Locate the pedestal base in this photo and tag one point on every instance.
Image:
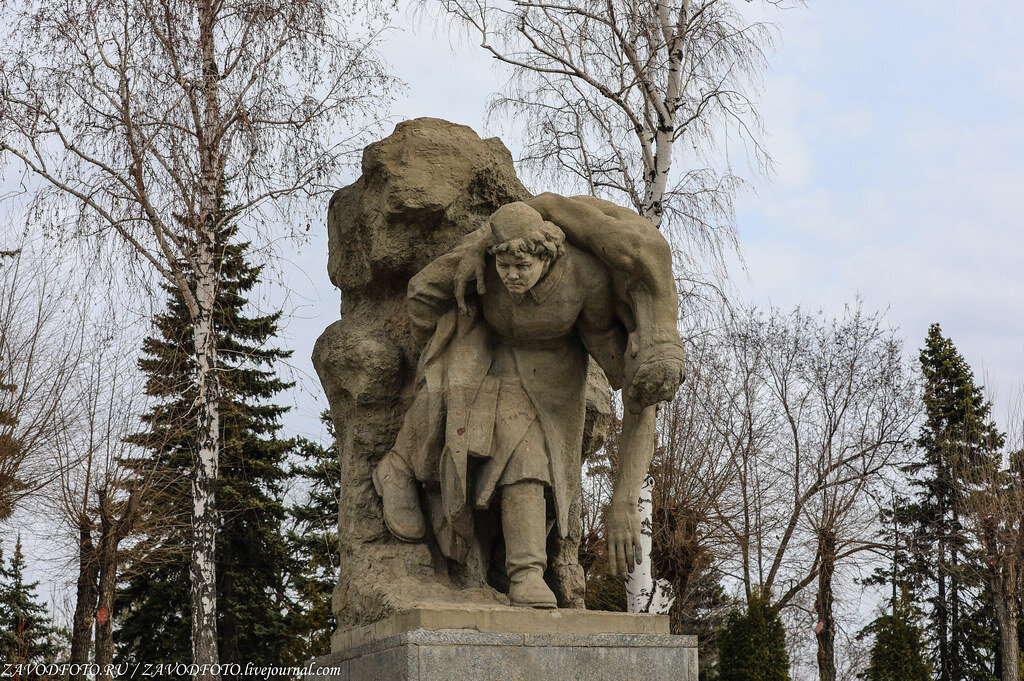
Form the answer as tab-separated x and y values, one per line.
570	649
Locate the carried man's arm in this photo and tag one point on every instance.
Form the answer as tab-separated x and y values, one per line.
442	283
633	248
630	246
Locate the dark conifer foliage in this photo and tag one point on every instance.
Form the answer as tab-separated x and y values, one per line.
899	649
752	645
313	547
934	559
252	556
27	635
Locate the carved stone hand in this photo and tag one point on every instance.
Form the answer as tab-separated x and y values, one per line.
623	526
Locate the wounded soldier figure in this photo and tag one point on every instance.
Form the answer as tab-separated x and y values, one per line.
498	415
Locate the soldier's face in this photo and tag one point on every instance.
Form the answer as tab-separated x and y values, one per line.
519	274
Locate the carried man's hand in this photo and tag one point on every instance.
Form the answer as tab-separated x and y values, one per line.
470	268
656	380
622	522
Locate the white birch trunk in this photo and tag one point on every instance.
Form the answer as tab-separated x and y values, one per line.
644	594
662	138
204	483
204	480
657	177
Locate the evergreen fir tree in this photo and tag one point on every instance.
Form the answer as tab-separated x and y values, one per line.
27	635
899	649
251	555
934	558
752	645
313	546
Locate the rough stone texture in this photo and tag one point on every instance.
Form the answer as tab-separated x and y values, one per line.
459	655
502	619
422	189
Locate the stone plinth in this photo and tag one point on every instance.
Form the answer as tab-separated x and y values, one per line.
511	644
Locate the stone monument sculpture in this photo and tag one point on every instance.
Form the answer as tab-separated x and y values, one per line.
469	377
499	412
481	328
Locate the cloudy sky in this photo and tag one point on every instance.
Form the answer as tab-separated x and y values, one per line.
898	133
898	136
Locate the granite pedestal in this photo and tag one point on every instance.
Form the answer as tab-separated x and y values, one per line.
511	644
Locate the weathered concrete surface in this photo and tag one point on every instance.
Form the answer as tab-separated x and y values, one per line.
421	190
502	619
562	644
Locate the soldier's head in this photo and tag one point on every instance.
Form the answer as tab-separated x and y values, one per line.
524	245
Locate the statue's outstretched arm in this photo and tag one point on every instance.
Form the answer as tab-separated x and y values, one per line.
622	519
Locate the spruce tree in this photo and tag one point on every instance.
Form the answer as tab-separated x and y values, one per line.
898	652
313	546
752	645
252	557
27	635
958	444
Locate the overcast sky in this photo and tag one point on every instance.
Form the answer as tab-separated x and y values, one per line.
898	137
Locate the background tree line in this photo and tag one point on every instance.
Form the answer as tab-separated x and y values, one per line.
806	465
801	449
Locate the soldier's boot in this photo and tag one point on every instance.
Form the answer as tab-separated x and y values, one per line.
394	482
524	521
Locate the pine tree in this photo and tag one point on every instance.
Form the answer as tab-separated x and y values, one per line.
251	556
899	650
935	559
27	635
752	645
313	546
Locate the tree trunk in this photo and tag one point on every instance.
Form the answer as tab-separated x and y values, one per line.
204	485
942	616
85	600
957	642
204	481
106	555
640	582
656	177
825	631
1006	612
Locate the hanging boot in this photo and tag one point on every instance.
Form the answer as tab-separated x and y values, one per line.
524	521
394	482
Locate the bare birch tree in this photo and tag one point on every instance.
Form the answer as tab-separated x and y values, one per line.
162	124
615	94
